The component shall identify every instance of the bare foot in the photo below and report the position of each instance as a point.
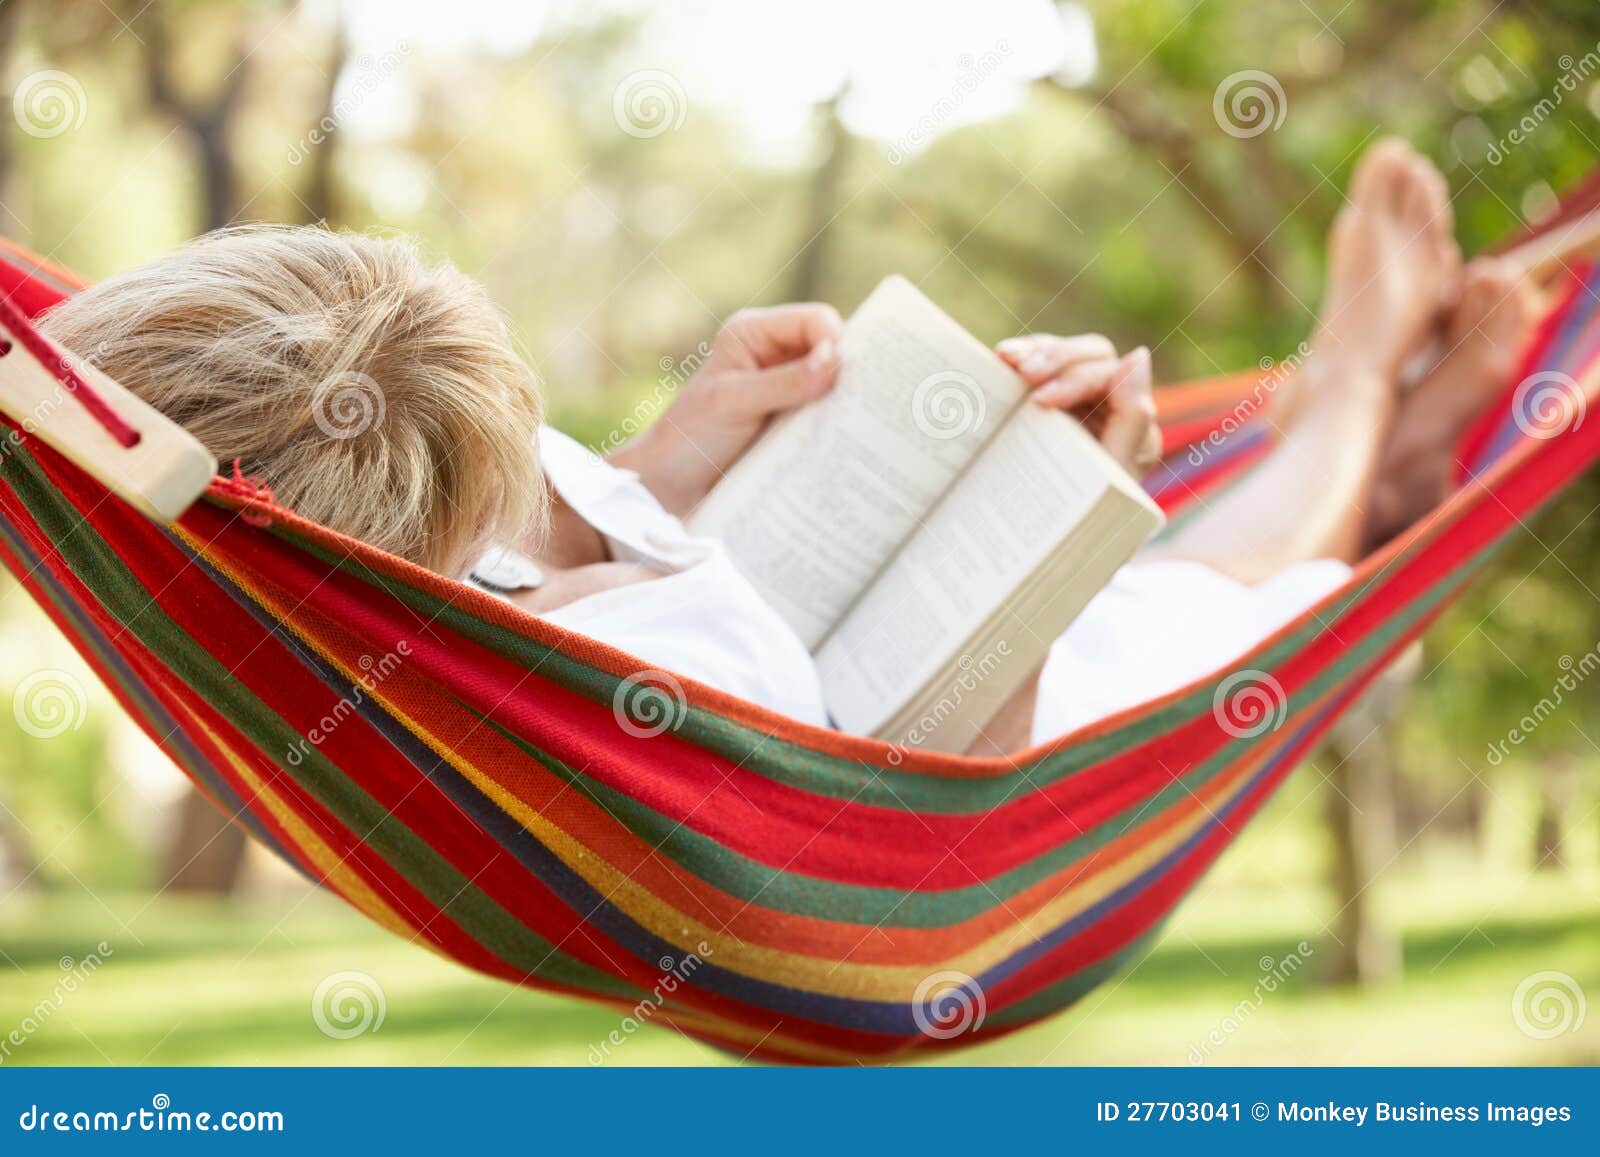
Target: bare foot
(1485, 338)
(1393, 266)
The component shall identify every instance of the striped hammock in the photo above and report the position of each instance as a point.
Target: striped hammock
(545, 810)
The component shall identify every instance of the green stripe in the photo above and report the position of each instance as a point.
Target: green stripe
(798, 894)
(801, 767)
(121, 594)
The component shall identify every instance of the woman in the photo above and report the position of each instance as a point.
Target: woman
(247, 337)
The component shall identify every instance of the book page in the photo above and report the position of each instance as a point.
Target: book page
(823, 501)
(1040, 477)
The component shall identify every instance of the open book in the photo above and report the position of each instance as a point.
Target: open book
(925, 529)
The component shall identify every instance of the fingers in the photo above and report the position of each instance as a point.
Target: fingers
(761, 392)
(1131, 434)
(1082, 384)
(1042, 356)
(763, 337)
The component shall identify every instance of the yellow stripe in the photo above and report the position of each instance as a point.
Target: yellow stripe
(892, 983)
(336, 874)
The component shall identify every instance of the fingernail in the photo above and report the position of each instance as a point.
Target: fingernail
(1012, 345)
(822, 354)
(1036, 363)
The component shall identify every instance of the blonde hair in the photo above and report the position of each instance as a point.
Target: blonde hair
(375, 393)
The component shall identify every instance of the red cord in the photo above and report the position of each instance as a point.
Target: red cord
(60, 364)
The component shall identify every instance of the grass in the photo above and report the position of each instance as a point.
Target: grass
(208, 984)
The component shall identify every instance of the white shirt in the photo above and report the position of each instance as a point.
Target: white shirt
(1160, 625)
(1155, 627)
(701, 619)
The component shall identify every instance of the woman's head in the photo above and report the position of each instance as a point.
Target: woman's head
(375, 393)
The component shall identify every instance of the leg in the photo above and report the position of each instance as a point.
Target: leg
(1392, 265)
(1486, 336)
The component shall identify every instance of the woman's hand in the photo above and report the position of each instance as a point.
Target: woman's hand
(762, 362)
(1110, 395)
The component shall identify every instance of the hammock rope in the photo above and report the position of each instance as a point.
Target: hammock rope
(548, 811)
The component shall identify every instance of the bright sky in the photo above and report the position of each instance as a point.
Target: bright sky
(915, 66)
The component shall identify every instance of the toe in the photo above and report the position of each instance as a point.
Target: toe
(1424, 200)
(1494, 299)
(1374, 179)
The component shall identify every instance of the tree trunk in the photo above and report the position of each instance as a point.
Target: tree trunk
(19, 866)
(822, 205)
(1360, 812)
(1557, 794)
(218, 200)
(206, 853)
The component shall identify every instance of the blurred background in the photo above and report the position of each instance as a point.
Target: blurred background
(623, 175)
